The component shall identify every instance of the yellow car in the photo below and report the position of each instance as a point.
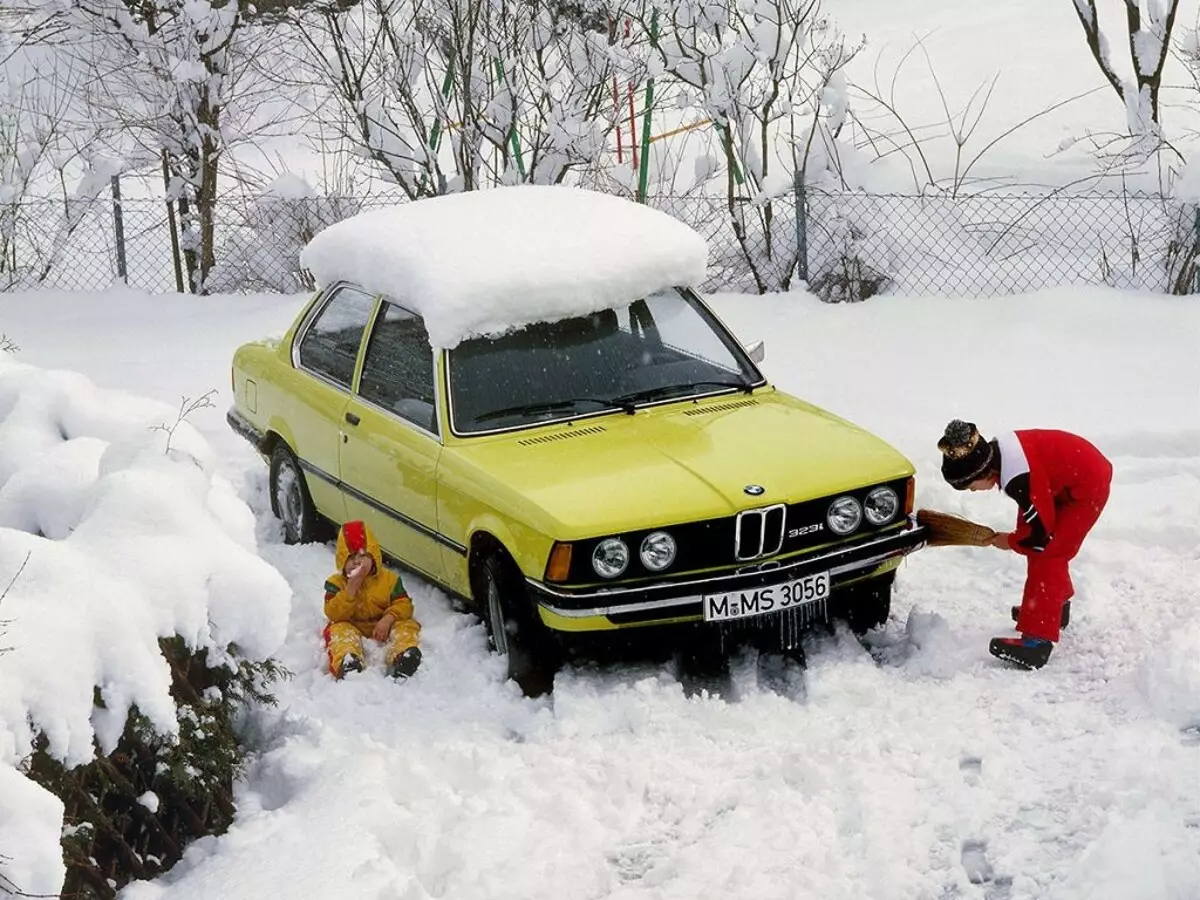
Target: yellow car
(610, 459)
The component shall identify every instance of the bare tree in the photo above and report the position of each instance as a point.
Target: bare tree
(768, 75)
(1149, 33)
(41, 138)
(449, 95)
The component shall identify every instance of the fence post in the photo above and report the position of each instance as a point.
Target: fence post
(644, 163)
(1195, 249)
(801, 228)
(119, 229)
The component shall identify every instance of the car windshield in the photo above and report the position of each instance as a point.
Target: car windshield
(666, 346)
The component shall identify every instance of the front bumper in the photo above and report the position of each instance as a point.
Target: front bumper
(682, 601)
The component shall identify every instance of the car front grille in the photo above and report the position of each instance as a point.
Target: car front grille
(759, 532)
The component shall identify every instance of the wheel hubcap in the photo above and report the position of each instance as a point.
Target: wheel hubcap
(496, 619)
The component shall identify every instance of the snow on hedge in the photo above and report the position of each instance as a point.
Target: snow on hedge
(484, 261)
(109, 540)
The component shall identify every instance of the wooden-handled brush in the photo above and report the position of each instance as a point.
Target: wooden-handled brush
(946, 530)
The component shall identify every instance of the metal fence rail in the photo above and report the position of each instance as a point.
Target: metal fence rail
(845, 245)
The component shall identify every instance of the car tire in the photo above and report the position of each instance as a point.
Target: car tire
(868, 604)
(514, 631)
(291, 502)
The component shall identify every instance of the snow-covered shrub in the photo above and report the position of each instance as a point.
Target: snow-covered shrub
(263, 253)
(142, 622)
(768, 75)
(455, 95)
(853, 262)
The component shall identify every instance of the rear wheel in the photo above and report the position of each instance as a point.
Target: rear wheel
(290, 500)
(514, 631)
(866, 605)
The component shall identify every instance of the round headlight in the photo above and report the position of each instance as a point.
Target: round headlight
(610, 558)
(845, 515)
(881, 506)
(658, 551)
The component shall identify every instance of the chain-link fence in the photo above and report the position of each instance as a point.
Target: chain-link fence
(846, 246)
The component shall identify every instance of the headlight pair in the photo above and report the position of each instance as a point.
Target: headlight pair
(846, 514)
(611, 556)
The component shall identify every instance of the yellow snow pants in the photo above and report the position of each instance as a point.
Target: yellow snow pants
(343, 638)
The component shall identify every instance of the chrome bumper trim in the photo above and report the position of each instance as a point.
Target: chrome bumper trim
(545, 596)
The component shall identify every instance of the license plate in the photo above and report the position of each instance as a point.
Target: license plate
(768, 599)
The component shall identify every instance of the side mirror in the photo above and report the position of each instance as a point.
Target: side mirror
(757, 351)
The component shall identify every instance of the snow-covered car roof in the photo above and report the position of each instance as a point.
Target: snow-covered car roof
(482, 262)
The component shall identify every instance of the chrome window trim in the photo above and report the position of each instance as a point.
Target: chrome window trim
(314, 311)
(437, 392)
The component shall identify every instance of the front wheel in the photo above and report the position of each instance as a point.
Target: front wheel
(290, 500)
(514, 631)
(868, 603)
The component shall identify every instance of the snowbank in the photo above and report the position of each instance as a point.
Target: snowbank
(113, 534)
(485, 261)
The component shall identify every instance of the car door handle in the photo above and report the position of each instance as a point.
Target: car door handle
(352, 418)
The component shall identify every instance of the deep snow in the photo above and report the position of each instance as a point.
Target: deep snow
(917, 768)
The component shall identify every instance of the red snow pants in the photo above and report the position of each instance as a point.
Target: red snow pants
(1048, 579)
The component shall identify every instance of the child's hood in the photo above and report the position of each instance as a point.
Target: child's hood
(354, 537)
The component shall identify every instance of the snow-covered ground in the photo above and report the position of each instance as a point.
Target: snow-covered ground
(920, 768)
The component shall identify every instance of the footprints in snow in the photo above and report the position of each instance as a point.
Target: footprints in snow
(973, 853)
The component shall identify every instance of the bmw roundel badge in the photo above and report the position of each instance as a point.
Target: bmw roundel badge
(755, 490)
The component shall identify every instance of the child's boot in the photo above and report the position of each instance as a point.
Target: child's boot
(350, 663)
(405, 664)
(1026, 652)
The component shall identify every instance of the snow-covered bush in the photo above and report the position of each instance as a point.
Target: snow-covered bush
(768, 75)
(853, 260)
(452, 95)
(264, 253)
(142, 620)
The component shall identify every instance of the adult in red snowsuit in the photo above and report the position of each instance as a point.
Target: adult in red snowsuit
(1060, 482)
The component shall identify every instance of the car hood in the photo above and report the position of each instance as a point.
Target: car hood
(682, 462)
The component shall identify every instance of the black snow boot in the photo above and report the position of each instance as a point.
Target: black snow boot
(1026, 652)
(1066, 614)
(350, 663)
(405, 665)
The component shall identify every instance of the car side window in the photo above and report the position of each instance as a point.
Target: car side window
(330, 345)
(398, 371)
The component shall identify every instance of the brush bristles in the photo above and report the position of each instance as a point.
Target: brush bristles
(946, 530)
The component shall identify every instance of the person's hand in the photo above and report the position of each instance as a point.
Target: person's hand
(1000, 541)
(356, 574)
(383, 627)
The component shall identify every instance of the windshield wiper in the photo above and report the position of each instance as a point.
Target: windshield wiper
(663, 391)
(551, 406)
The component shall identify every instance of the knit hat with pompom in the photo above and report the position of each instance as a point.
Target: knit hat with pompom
(966, 456)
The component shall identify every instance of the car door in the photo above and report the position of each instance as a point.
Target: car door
(326, 350)
(390, 454)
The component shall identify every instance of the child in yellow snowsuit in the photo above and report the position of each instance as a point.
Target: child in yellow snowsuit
(366, 599)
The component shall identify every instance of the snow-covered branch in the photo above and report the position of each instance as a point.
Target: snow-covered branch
(447, 95)
(1149, 35)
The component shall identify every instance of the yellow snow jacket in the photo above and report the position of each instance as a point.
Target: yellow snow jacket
(381, 593)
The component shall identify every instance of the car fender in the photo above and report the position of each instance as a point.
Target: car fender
(528, 549)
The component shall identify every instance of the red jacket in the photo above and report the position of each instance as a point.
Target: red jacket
(1045, 471)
